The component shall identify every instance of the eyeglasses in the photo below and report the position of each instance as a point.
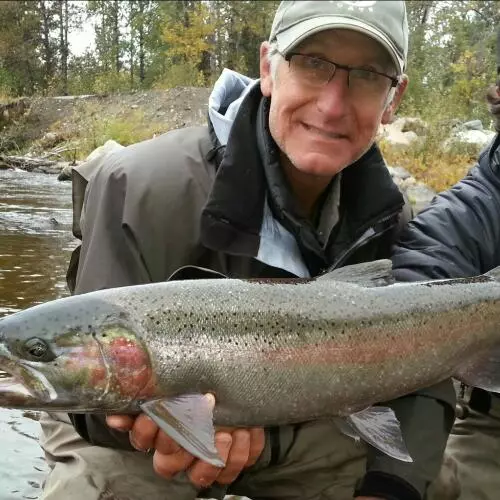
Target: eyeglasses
(317, 72)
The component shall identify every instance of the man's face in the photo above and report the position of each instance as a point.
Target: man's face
(323, 129)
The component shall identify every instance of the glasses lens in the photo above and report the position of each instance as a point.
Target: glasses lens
(311, 70)
(365, 82)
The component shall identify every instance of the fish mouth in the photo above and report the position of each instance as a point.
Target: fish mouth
(12, 392)
(23, 386)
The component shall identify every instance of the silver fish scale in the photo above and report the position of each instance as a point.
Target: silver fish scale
(276, 353)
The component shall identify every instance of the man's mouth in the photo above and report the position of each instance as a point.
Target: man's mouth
(327, 134)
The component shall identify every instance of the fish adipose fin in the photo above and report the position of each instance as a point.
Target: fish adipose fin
(368, 274)
(188, 420)
(494, 273)
(379, 427)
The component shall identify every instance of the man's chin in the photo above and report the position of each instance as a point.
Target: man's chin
(320, 166)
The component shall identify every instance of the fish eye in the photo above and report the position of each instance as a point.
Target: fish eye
(38, 350)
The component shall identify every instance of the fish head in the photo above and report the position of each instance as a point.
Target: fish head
(77, 354)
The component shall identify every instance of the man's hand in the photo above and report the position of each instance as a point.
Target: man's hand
(239, 448)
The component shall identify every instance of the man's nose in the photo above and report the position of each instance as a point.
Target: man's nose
(333, 98)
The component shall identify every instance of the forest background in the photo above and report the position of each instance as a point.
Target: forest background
(148, 44)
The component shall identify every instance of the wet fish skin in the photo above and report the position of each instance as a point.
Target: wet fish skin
(271, 353)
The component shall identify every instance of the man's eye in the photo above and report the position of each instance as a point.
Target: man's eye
(314, 63)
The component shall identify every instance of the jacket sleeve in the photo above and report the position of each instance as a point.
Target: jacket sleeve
(139, 224)
(458, 235)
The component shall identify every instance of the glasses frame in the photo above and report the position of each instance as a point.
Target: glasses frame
(394, 80)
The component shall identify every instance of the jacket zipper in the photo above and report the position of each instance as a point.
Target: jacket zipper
(367, 236)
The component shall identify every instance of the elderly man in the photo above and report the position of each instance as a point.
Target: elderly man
(284, 181)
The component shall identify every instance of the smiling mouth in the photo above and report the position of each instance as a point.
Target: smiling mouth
(323, 133)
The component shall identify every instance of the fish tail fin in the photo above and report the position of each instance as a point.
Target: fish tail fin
(482, 371)
(379, 427)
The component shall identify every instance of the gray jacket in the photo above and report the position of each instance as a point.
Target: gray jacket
(215, 197)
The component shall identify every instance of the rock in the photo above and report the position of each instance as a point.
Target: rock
(400, 140)
(134, 106)
(473, 125)
(400, 173)
(414, 124)
(66, 173)
(468, 141)
(403, 132)
(419, 195)
(51, 139)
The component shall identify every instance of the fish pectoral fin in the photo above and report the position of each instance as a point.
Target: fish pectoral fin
(188, 420)
(368, 274)
(379, 427)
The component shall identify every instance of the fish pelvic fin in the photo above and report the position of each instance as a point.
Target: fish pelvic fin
(368, 274)
(188, 420)
(379, 427)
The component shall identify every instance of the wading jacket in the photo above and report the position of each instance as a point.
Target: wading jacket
(215, 197)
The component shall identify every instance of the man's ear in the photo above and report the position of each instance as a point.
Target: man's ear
(266, 79)
(392, 105)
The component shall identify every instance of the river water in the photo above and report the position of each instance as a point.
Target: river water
(35, 246)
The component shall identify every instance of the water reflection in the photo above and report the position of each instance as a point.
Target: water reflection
(35, 245)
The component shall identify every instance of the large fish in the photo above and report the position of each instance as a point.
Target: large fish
(271, 352)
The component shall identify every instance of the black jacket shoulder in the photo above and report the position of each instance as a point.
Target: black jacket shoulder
(458, 234)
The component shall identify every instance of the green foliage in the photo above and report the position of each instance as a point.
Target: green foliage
(181, 74)
(429, 161)
(111, 81)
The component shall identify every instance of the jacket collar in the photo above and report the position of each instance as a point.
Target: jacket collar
(232, 217)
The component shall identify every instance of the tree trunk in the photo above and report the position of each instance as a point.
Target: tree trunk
(116, 35)
(47, 49)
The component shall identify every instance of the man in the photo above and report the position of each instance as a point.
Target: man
(458, 235)
(285, 181)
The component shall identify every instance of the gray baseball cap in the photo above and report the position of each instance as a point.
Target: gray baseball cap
(384, 21)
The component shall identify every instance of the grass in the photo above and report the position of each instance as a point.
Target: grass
(429, 162)
(88, 129)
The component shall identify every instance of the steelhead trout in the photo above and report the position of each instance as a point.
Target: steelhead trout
(272, 352)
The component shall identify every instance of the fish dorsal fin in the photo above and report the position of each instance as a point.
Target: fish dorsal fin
(195, 273)
(494, 273)
(368, 274)
(188, 420)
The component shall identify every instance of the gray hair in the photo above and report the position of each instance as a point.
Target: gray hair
(274, 59)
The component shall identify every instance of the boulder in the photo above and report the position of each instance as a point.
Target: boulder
(66, 172)
(419, 195)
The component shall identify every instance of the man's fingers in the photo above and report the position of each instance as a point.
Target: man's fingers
(167, 465)
(121, 423)
(237, 458)
(143, 433)
(202, 474)
(165, 444)
(257, 443)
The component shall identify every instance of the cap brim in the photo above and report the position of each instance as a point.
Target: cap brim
(288, 39)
